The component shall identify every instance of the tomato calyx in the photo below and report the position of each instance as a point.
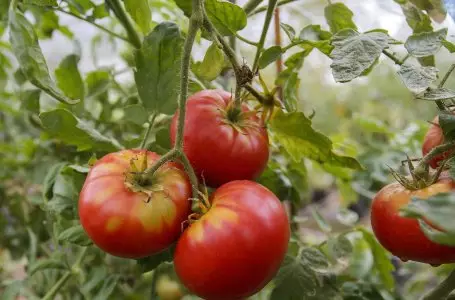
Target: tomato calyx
(138, 181)
(200, 207)
(238, 119)
(420, 178)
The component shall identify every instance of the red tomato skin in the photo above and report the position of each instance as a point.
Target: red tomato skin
(402, 236)
(217, 151)
(237, 247)
(433, 138)
(121, 222)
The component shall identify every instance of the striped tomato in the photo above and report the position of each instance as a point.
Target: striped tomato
(130, 216)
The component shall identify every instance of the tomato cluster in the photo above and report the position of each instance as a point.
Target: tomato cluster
(239, 240)
(400, 235)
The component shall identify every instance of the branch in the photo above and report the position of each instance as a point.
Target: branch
(392, 57)
(264, 8)
(443, 290)
(251, 5)
(121, 15)
(94, 24)
(443, 81)
(268, 19)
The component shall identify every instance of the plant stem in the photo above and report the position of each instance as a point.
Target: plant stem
(264, 8)
(147, 133)
(155, 275)
(191, 174)
(59, 284)
(230, 53)
(246, 40)
(196, 21)
(436, 151)
(255, 93)
(392, 57)
(443, 290)
(251, 5)
(120, 13)
(265, 29)
(443, 81)
(171, 155)
(279, 61)
(94, 24)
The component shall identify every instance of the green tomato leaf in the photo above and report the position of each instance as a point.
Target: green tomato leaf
(45, 264)
(437, 94)
(97, 83)
(416, 19)
(437, 236)
(158, 68)
(75, 235)
(212, 65)
(63, 125)
(49, 180)
(382, 263)
(449, 45)
(289, 30)
(315, 259)
(269, 56)
(41, 2)
(136, 114)
(339, 247)
(69, 79)
(355, 53)
(28, 52)
(417, 78)
(294, 132)
(30, 100)
(227, 17)
(361, 261)
(108, 287)
(339, 17)
(436, 210)
(312, 36)
(139, 10)
(295, 280)
(425, 43)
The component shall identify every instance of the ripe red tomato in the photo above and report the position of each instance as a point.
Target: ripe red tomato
(129, 223)
(237, 247)
(218, 152)
(403, 236)
(434, 137)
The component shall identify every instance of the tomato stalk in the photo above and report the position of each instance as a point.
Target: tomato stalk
(443, 290)
(446, 76)
(120, 13)
(264, 8)
(149, 129)
(436, 151)
(251, 5)
(59, 284)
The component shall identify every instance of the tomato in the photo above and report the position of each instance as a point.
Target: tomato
(434, 137)
(221, 149)
(130, 220)
(402, 236)
(168, 289)
(235, 248)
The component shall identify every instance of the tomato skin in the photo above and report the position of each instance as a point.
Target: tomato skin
(216, 150)
(433, 138)
(121, 222)
(237, 247)
(402, 236)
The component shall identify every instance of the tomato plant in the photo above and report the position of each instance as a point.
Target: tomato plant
(211, 117)
(156, 149)
(234, 250)
(133, 216)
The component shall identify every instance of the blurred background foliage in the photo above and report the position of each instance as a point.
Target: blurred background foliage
(374, 118)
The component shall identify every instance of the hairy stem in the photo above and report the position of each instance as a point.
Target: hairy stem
(94, 24)
(149, 129)
(230, 53)
(392, 57)
(265, 29)
(255, 93)
(121, 15)
(246, 40)
(436, 151)
(251, 5)
(171, 155)
(446, 76)
(443, 290)
(264, 8)
(190, 171)
(279, 61)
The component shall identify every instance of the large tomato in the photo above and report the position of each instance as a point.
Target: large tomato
(128, 219)
(434, 137)
(402, 236)
(222, 148)
(236, 248)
